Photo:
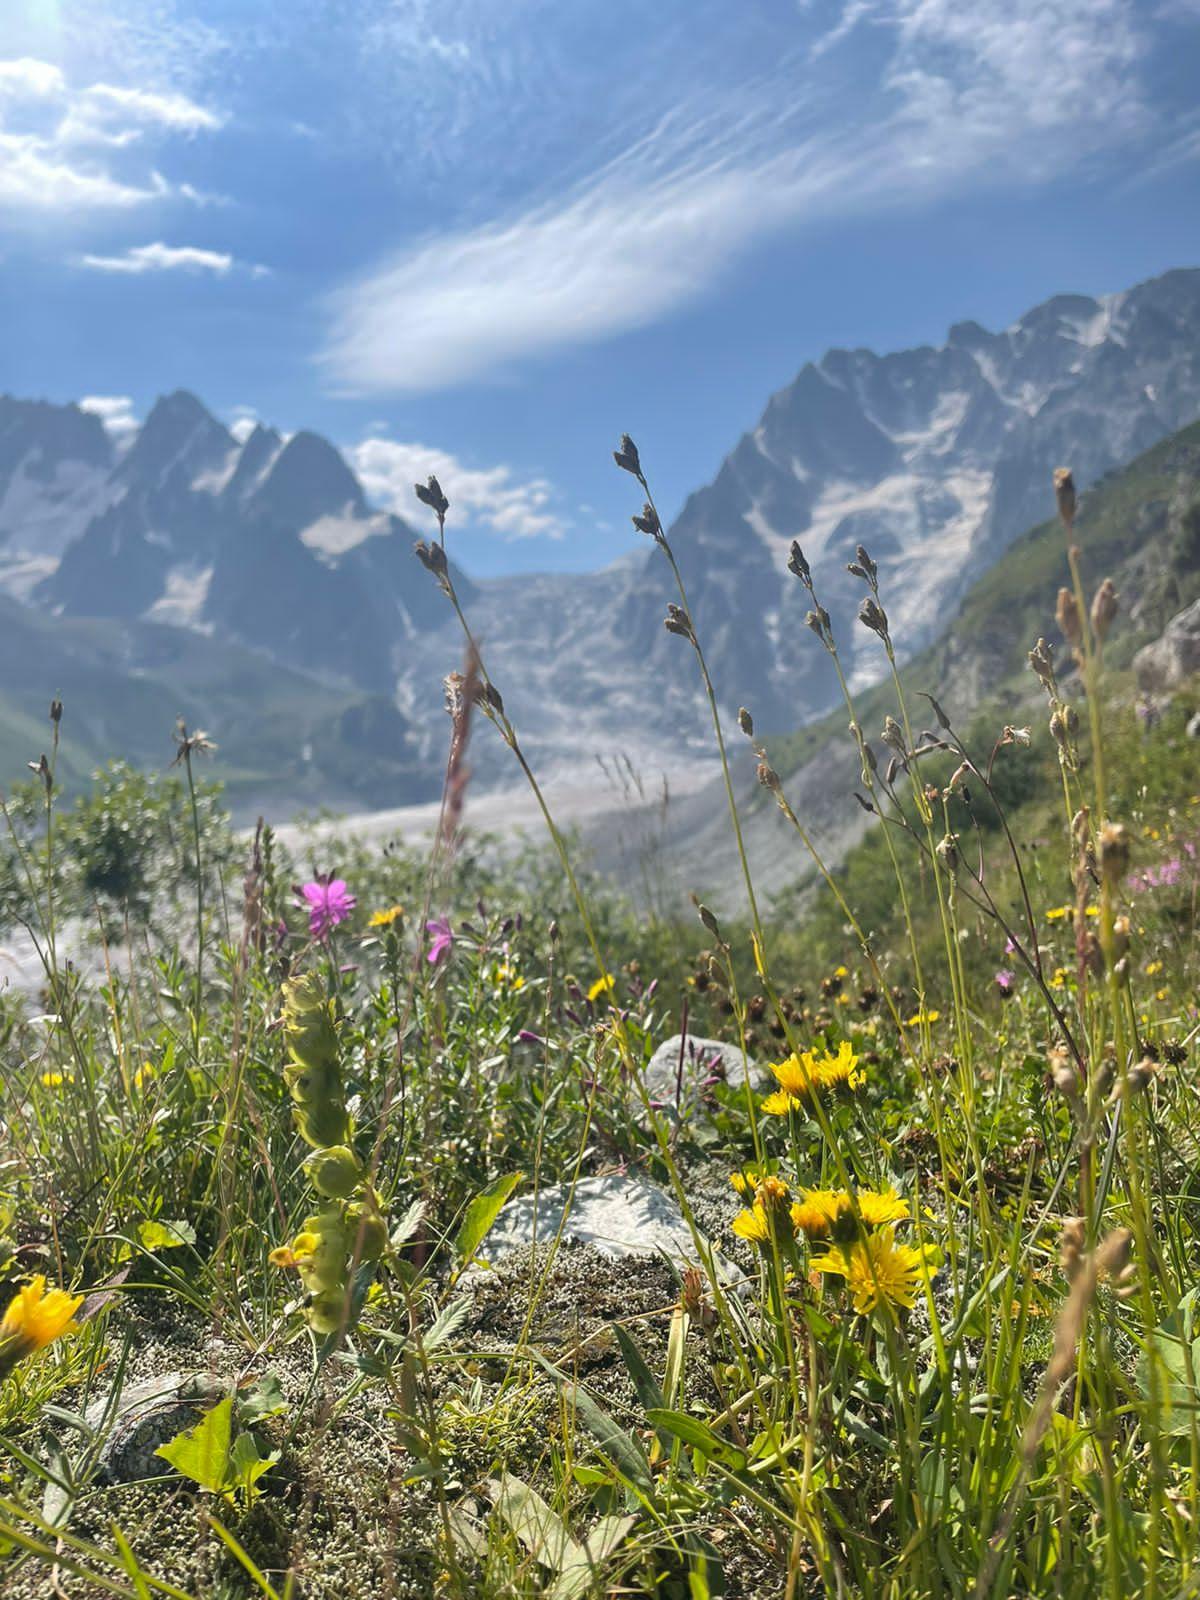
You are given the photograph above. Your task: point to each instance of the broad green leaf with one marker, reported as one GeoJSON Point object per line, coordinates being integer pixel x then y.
{"type": "Point", "coordinates": [699, 1436]}
{"type": "Point", "coordinates": [481, 1215]}
{"type": "Point", "coordinates": [620, 1447]}
{"type": "Point", "coordinates": [265, 1399]}
{"type": "Point", "coordinates": [165, 1235]}
{"type": "Point", "coordinates": [579, 1570]}
{"type": "Point", "coordinates": [247, 1465]}
{"type": "Point", "coordinates": [202, 1453]}
{"type": "Point", "coordinates": [541, 1530]}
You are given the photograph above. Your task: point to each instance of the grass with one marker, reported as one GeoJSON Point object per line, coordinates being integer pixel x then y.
{"type": "Point", "coordinates": [270, 1144]}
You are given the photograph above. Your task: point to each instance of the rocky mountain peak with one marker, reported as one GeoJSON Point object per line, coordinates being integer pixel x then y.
{"type": "Point", "coordinates": [309, 480]}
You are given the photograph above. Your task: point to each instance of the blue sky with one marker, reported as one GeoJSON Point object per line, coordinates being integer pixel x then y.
{"type": "Point", "coordinates": [485, 236]}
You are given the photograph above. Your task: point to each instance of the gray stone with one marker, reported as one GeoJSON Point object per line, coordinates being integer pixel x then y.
{"type": "Point", "coordinates": [621, 1215]}
{"type": "Point", "coordinates": [149, 1414]}
{"type": "Point", "coordinates": [1193, 727]}
{"type": "Point", "coordinates": [684, 1069]}
{"type": "Point", "coordinates": [1170, 661]}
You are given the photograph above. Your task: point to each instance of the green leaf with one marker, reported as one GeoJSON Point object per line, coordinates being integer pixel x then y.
{"type": "Point", "coordinates": [202, 1453]}
{"type": "Point", "coordinates": [620, 1447]}
{"type": "Point", "coordinates": [265, 1399]}
{"type": "Point", "coordinates": [247, 1464]}
{"type": "Point", "coordinates": [699, 1436]}
{"type": "Point", "coordinates": [540, 1529]}
{"type": "Point", "coordinates": [165, 1235]}
{"type": "Point", "coordinates": [481, 1215]}
{"type": "Point", "coordinates": [447, 1323]}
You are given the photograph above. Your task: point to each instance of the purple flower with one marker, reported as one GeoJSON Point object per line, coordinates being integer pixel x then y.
{"type": "Point", "coordinates": [440, 939]}
{"type": "Point", "coordinates": [1009, 947]}
{"type": "Point", "coordinates": [329, 902]}
{"type": "Point", "coordinates": [1004, 981]}
{"type": "Point", "coordinates": [527, 1036]}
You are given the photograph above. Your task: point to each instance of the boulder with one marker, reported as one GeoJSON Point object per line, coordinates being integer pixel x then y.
{"type": "Point", "coordinates": [684, 1069]}
{"type": "Point", "coordinates": [1169, 662]}
{"type": "Point", "coordinates": [620, 1215]}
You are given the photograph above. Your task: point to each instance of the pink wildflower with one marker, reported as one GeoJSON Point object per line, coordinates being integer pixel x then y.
{"type": "Point", "coordinates": [329, 902]}
{"type": "Point", "coordinates": [440, 939]}
{"type": "Point", "coordinates": [1005, 981]}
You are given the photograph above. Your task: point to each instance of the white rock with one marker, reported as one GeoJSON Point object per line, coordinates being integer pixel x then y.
{"type": "Point", "coordinates": [680, 1068]}
{"type": "Point", "coordinates": [620, 1216]}
{"type": "Point", "coordinates": [1173, 659]}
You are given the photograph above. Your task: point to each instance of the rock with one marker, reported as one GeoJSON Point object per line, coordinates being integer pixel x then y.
{"type": "Point", "coordinates": [682, 1070]}
{"type": "Point", "coordinates": [149, 1414]}
{"type": "Point", "coordinates": [621, 1216]}
{"type": "Point", "coordinates": [1193, 727]}
{"type": "Point", "coordinates": [1173, 659]}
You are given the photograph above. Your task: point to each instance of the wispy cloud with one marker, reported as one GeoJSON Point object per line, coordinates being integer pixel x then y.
{"type": "Point", "coordinates": [59, 143]}
{"type": "Point", "coordinates": [115, 412]}
{"type": "Point", "coordinates": [949, 94]}
{"type": "Point", "coordinates": [490, 497]}
{"type": "Point", "coordinates": [159, 257]}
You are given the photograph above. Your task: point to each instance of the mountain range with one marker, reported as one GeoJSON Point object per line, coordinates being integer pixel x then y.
{"type": "Point", "coordinates": [184, 561]}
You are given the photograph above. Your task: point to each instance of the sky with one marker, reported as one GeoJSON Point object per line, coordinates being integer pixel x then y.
{"type": "Point", "coordinates": [484, 237]}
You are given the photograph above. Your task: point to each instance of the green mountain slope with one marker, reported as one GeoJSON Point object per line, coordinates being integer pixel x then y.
{"type": "Point", "coordinates": [280, 733]}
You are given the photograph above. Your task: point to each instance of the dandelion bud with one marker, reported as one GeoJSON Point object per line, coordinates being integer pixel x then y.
{"type": "Point", "coordinates": [333, 1172]}
{"type": "Point", "coordinates": [1064, 494]}
{"type": "Point", "coordinates": [872, 615]}
{"type": "Point", "coordinates": [627, 457]}
{"type": "Point", "coordinates": [745, 722]}
{"type": "Point", "coordinates": [648, 522]}
{"type": "Point", "coordinates": [774, 1197]}
{"type": "Point", "coordinates": [1141, 1076]}
{"type": "Point", "coordinates": [798, 565]}
{"type": "Point", "coordinates": [1114, 852]}
{"type": "Point", "coordinates": [947, 851]}
{"type": "Point", "coordinates": [1071, 1254]}
{"type": "Point", "coordinates": [893, 735]}
{"type": "Point", "coordinates": [1104, 609]}
{"type": "Point", "coordinates": [1063, 1074]}
{"type": "Point", "coordinates": [1066, 614]}
{"type": "Point", "coordinates": [430, 494]}
{"type": "Point", "coordinates": [1041, 660]}
{"type": "Point", "coordinates": [818, 621]}
{"type": "Point", "coordinates": [678, 621]}
{"type": "Point", "coordinates": [694, 1301]}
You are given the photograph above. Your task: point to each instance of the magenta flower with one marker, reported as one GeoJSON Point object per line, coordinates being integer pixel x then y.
{"type": "Point", "coordinates": [329, 902]}
{"type": "Point", "coordinates": [440, 939]}
{"type": "Point", "coordinates": [1005, 981]}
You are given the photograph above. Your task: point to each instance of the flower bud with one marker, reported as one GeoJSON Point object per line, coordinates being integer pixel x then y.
{"type": "Point", "coordinates": [1104, 609]}
{"type": "Point", "coordinates": [1066, 614]}
{"type": "Point", "coordinates": [333, 1172]}
{"type": "Point", "coordinates": [1064, 494]}
{"type": "Point", "coordinates": [1114, 852]}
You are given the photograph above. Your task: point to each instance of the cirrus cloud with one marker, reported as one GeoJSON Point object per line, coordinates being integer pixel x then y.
{"type": "Point", "coordinates": [159, 257]}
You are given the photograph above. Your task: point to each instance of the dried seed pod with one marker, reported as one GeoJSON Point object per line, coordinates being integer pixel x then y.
{"type": "Point", "coordinates": [627, 457]}
{"type": "Point", "coordinates": [1066, 614]}
{"type": "Point", "coordinates": [870, 570]}
{"type": "Point", "coordinates": [648, 522]}
{"type": "Point", "coordinates": [1064, 495]}
{"type": "Point", "coordinates": [678, 621]}
{"type": "Point", "coordinates": [872, 615]}
{"type": "Point", "coordinates": [947, 851]}
{"type": "Point", "coordinates": [1114, 852]}
{"type": "Point", "coordinates": [798, 565]}
{"type": "Point", "coordinates": [1041, 659]}
{"type": "Point", "coordinates": [430, 494]}
{"type": "Point", "coordinates": [745, 722]}
{"type": "Point", "coordinates": [893, 735]}
{"type": "Point", "coordinates": [1104, 609]}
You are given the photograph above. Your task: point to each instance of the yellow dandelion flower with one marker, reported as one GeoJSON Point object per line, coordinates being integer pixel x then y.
{"type": "Point", "coordinates": [823, 1212]}
{"type": "Point", "coordinates": [602, 986]}
{"type": "Point", "coordinates": [1091, 911]}
{"type": "Point", "coordinates": [769, 1218]}
{"type": "Point", "coordinates": [920, 1018]}
{"type": "Point", "coordinates": [55, 1080]}
{"type": "Point", "coordinates": [745, 1182]}
{"type": "Point", "coordinates": [35, 1318]}
{"type": "Point", "coordinates": [143, 1075]}
{"type": "Point", "coordinates": [1161, 994]}
{"type": "Point", "coordinates": [877, 1270]}
{"type": "Point", "coordinates": [1058, 979]}
{"type": "Point", "coordinates": [385, 918]}
{"type": "Point", "coordinates": [800, 1076]}
{"type": "Point", "coordinates": [752, 1225]}
{"type": "Point", "coordinates": [1058, 913]}
{"type": "Point", "coordinates": [841, 972]}
{"type": "Point", "coordinates": [1152, 968]}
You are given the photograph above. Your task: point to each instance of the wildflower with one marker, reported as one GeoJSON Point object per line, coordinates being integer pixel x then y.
{"type": "Point", "coordinates": [1004, 982]}
{"type": "Point", "coordinates": [745, 1182]}
{"type": "Point", "coordinates": [385, 919]}
{"type": "Point", "coordinates": [33, 1320]}
{"type": "Point", "coordinates": [506, 976]}
{"type": "Point", "coordinates": [877, 1270]}
{"type": "Point", "coordinates": [329, 903]}
{"type": "Point", "coordinates": [1058, 979]}
{"type": "Point", "coordinates": [823, 1213]}
{"type": "Point", "coordinates": [55, 1080]}
{"type": "Point", "coordinates": [1152, 968]}
{"type": "Point", "coordinates": [801, 1076]}
{"type": "Point", "coordinates": [1058, 913]}
{"type": "Point", "coordinates": [602, 986]}
{"type": "Point", "coordinates": [440, 939]}
{"type": "Point", "coordinates": [920, 1018]}
{"type": "Point", "coordinates": [769, 1219]}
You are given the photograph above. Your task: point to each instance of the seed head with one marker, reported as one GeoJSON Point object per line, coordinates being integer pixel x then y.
{"type": "Point", "coordinates": [947, 851]}
{"type": "Point", "coordinates": [648, 522]}
{"type": "Point", "coordinates": [1114, 852]}
{"type": "Point", "coordinates": [1041, 659]}
{"type": "Point", "coordinates": [678, 621]}
{"type": "Point", "coordinates": [1064, 494]}
{"type": "Point", "coordinates": [627, 457]}
{"type": "Point", "coordinates": [430, 494]}
{"type": "Point", "coordinates": [1104, 609]}
{"type": "Point", "coordinates": [893, 736]}
{"type": "Point", "coordinates": [745, 722]}
{"type": "Point", "coordinates": [1066, 614]}
{"type": "Point", "coordinates": [872, 615]}
{"type": "Point", "coordinates": [798, 565]}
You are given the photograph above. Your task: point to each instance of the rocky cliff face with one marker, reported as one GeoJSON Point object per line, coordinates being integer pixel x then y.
{"type": "Point", "coordinates": [935, 459]}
